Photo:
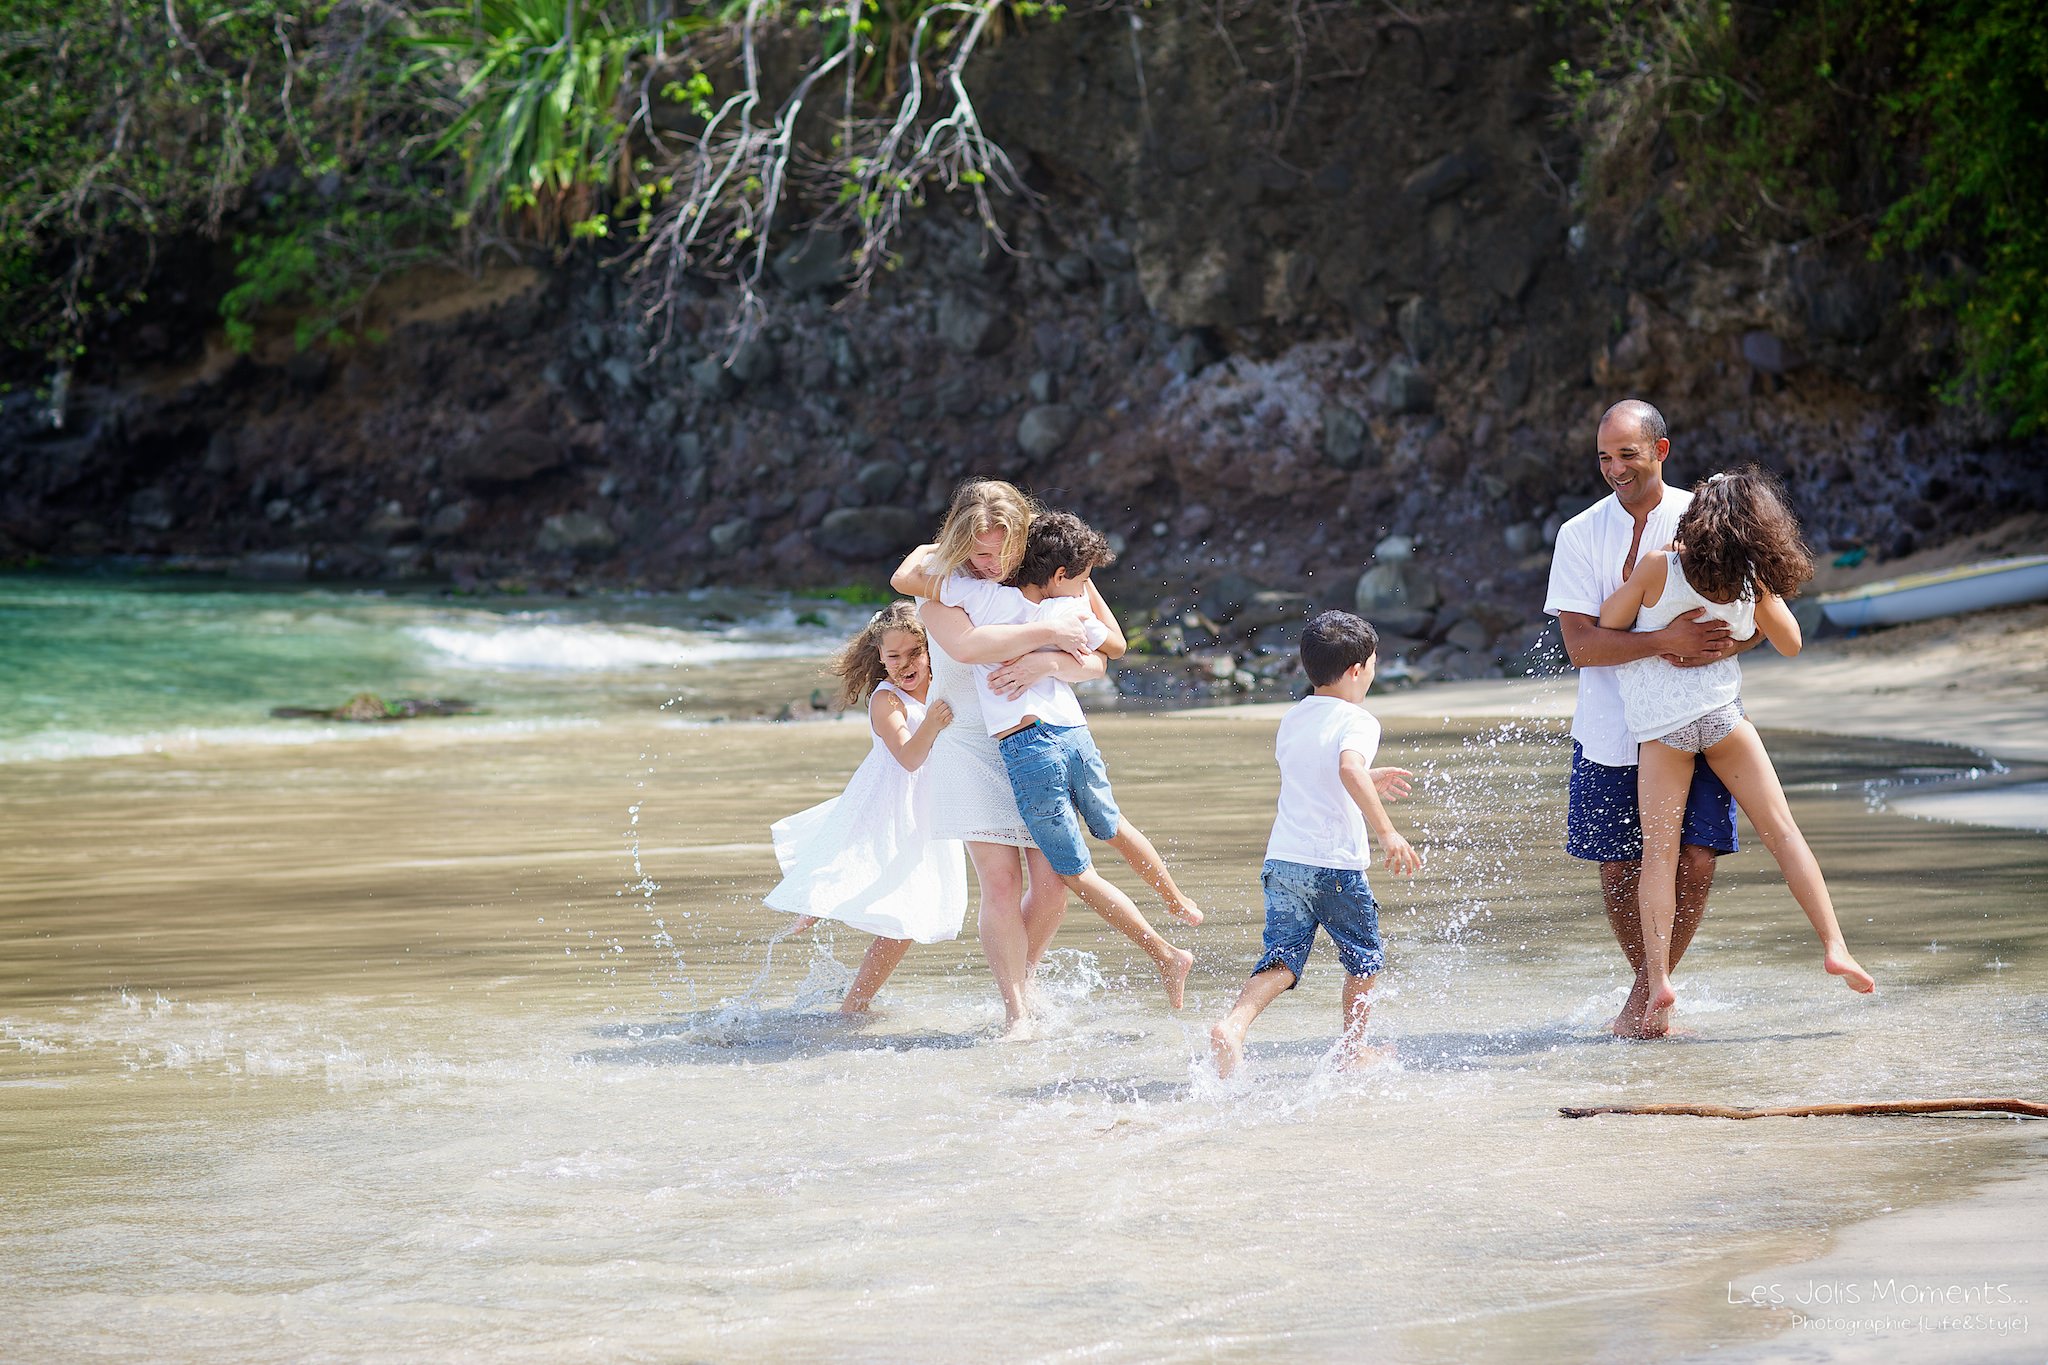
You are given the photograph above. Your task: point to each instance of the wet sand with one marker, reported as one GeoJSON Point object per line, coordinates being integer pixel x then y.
{"type": "Point", "coordinates": [392, 1049]}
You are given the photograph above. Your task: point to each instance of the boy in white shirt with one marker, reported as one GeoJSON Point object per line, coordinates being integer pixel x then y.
{"type": "Point", "coordinates": [1055, 770]}
{"type": "Point", "coordinates": [1317, 856]}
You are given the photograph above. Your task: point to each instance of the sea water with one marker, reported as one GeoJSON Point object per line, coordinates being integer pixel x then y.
{"type": "Point", "coordinates": [479, 1045]}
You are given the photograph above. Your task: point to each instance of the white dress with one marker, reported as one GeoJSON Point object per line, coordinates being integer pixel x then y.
{"type": "Point", "coordinates": [1658, 697]}
{"type": "Point", "coordinates": [970, 788]}
{"type": "Point", "coordinates": [868, 859]}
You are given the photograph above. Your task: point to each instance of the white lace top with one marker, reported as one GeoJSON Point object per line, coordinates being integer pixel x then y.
{"type": "Point", "coordinates": [1658, 697]}
{"type": "Point", "coordinates": [970, 790]}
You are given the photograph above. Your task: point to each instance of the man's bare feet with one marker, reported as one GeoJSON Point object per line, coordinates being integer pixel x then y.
{"type": "Point", "coordinates": [1183, 909]}
{"type": "Point", "coordinates": [1839, 963]}
{"type": "Point", "coordinates": [1359, 1056]}
{"type": "Point", "coordinates": [1173, 973]}
{"type": "Point", "coordinates": [1226, 1045]}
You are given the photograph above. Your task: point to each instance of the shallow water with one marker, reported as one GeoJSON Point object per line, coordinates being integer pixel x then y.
{"type": "Point", "coordinates": [389, 1051]}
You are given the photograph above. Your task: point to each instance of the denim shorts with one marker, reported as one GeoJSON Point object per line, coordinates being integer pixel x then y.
{"type": "Point", "coordinates": [1604, 824]}
{"type": "Point", "coordinates": [1057, 776]}
{"type": "Point", "coordinates": [1300, 897]}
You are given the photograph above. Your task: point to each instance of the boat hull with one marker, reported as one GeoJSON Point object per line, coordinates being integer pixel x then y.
{"type": "Point", "coordinates": [1923, 597]}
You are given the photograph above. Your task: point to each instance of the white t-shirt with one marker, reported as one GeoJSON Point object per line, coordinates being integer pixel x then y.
{"type": "Point", "coordinates": [1585, 569]}
{"type": "Point", "coordinates": [1318, 823]}
{"type": "Point", "coordinates": [993, 604]}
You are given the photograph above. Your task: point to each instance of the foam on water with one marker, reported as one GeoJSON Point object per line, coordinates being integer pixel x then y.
{"type": "Point", "coordinates": [600, 649]}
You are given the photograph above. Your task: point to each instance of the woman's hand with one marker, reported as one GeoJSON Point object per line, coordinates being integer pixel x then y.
{"type": "Point", "coordinates": [1013, 679]}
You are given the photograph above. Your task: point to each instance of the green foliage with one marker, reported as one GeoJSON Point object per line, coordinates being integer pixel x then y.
{"type": "Point", "coordinates": [1791, 120]}
{"type": "Point", "coordinates": [540, 123]}
{"type": "Point", "coordinates": [1975, 106]}
{"type": "Point", "coordinates": [853, 594]}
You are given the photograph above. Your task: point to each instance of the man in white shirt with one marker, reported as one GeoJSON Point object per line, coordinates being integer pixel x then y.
{"type": "Point", "coordinates": [1596, 551]}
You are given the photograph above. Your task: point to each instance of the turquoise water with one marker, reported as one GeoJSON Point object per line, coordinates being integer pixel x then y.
{"type": "Point", "coordinates": [103, 666]}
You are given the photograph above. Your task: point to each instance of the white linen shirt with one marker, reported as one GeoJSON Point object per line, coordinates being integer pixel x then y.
{"type": "Point", "coordinates": [993, 604]}
{"type": "Point", "coordinates": [1585, 569]}
{"type": "Point", "coordinates": [1318, 824]}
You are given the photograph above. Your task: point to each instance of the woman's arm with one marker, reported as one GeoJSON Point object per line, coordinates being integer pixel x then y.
{"type": "Point", "coordinates": [1776, 623]}
{"type": "Point", "coordinates": [910, 577]}
{"type": "Point", "coordinates": [972, 644]}
{"type": "Point", "coordinates": [1114, 645]}
{"type": "Point", "coordinates": [1020, 675]}
{"type": "Point", "coordinates": [891, 720]}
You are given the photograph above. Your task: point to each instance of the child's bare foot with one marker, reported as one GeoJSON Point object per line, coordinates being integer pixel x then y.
{"type": "Point", "coordinates": [1173, 973]}
{"type": "Point", "coordinates": [1226, 1045]}
{"type": "Point", "coordinates": [1839, 963]}
{"type": "Point", "coordinates": [1183, 909]}
{"type": "Point", "coordinates": [803, 922]}
{"type": "Point", "coordinates": [1359, 1056]}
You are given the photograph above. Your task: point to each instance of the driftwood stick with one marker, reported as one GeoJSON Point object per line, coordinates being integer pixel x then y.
{"type": "Point", "coordinates": [2029, 1108]}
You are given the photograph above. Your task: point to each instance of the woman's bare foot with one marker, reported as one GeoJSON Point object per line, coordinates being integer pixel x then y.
{"type": "Point", "coordinates": [1183, 909]}
{"type": "Point", "coordinates": [1359, 1056]}
{"type": "Point", "coordinates": [1839, 963]}
{"type": "Point", "coordinates": [1173, 973]}
{"type": "Point", "coordinates": [1226, 1046]}
{"type": "Point", "coordinates": [1662, 997]}
{"type": "Point", "coordinates": [1021, 1029]}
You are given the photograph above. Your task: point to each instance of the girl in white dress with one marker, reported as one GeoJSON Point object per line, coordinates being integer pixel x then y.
{"type": "Point", "coordinates": [868, 858]}
{"type": "Point", "coordinates": [1737, 554]}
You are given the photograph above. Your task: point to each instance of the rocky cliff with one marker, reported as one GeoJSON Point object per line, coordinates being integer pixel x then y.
{"type": "Point", "coordinates": [1288, 287]}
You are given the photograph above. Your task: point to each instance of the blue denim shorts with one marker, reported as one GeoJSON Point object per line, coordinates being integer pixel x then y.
{"type": "Point", "coordinates": [1300, 897]}
{"type": "Point", "coordinates": [1057, 776]}
{"type": "Point", "coordinates": [1604, 824]}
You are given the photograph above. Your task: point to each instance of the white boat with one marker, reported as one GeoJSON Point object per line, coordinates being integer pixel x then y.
{"type": "Point", "coordinates": [1942, 592]}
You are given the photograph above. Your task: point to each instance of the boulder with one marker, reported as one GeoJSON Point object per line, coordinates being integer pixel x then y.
{"type": "Point", "coordinates": [867, 533]}
{"type": "Point", "coordinates": [713, 379]}
{"type": "Point", "coordinates": [1045, 428]}
{"type": "Point", "coordinates": [505, 457]}
{"type": "Point", "coordinates": [151, 510]}
{"type": "Point", "coordinates": [582, 534]}
{"type": "Point", "coordinates": [1399, 597]}
{"type": "Point", "coordinates": [756, 362]}
{"type": "Point", "coordinates": [1269, 609]}
{"type": "Point", "coordinates": [1226, 597]}
{"type": "Point", "coordinates": [972, 329]}
{"type": "Point", "coordinates": [814, 261]}
{"type": "Point", "coordinates": [880, 479]}
{"type": "Point", "coordinates": [1346, 438]}
{"type": "Point", "coordinates": [1402, 389]}
{"type": "Point", "coordinates": [730, 537]}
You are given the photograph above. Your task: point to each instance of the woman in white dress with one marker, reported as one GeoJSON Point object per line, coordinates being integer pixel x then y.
{"type": "Point", "coordinates": [1023, 900]}
{"type": "Point", "coordinates": [868, 858]}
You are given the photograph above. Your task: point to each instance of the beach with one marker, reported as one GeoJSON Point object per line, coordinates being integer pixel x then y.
{"type": "Point", "coordinates": [471, 1037]}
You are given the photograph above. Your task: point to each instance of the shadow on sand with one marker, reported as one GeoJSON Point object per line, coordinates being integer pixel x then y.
{"type": "Point", "coordinates": [723, 1037]}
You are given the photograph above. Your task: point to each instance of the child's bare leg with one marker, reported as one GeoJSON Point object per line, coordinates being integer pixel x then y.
{"type": "Point", "coordinates": [1663, 777]}
{"type": "Point", "coordinates": [1137, 850]}
{"type": "Point", "coordinates": [1116, 908]}
{"type": "Point", "coordinates": [1226, 1039]}
{"type": "Point", "coordinates": [1004, 941]}
{"type": "Point", "coordinates": [1045, 906]}
{"type": "Point", "coordinates": [876, 964]}
{"type": "Point", "coordinates": [1357, 1010]}
{"type": "Point", "coordinates": [1741, 762]}
{"type": "Point", "coordinates": [803, 922]}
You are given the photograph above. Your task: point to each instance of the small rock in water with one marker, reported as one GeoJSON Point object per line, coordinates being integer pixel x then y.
{"type": "Point", "coordinates": [369, 707]}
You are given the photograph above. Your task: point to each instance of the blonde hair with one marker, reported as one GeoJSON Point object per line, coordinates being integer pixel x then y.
{"type": "Point", "coordinates": [858, 664]}
{"type": "Point", "coordinates": [980, 506]}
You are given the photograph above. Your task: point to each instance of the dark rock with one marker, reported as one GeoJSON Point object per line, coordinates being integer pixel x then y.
{"type": "Point", "coordinates": [1270, 607]}
{"type": "Point", "coordinates": [1768, 353]}
{"type": "Point", "coordinates": [756, 362]}
{"type": "Point", "coordinates": [506, 457]}
{"type": "Point", "coordinates": [1442, 177]}
{"type": "Point", "coordinates": [1281, 637]}
{"type": "Point", "coordinates": [1194, 352]}
{"type": "Point", "coordinates": [582, 534]}
{"type": "Point", "coordinates": [447, 520]}
{"type": "Point", "coordinates": [274, 566]}
{"type": "Point", "coordinates": [1044, 386]}
{"type": "Point", "coordinates": [1346, 438]}
{"type": "Point", "coordinates": [812, 507]}
{"type": "Point", "coordinates": [1422, 328]}
{"type": "Point", "coordinates": [880, 479]}
{"type": "Point", "coordinates": [972, 329]}
{"type": "Point", "coordinates": [151, 510]}
{"type": "Point", "coordinates": [1074, 268]}
{"type": "Point", "coordinates": [868, 533]}
{"type": "Point", "coordinates": [1400, 597]}
{"type": "Point", "coordinates": [713, 379]}
{"type": "Point", "coordinates": [1222, 600]}
{"type": "Point", "coordinates": [729, 537]}
{"type": "Point", "coordinates": [619, 371]}
{"type": "Point", "coordinates": [1045, 428]}
{"type": "Point", "coordinates": [1402, 389]}
{"type": "Point", "coordinates": [1194, 521]}
{"type": "Point", "coordinates": [307, 371]}
{"type": "Point", "coordinates": [815, 261]}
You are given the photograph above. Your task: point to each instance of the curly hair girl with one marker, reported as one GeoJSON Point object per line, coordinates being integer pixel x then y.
{"type": "Point", "coordinates": [1739, 538]}
{"type": "Point", "coordinates": [858, 664]}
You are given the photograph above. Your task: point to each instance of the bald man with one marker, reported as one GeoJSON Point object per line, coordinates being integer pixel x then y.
{"type": "Point", "coordinates": [1595, 551]}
